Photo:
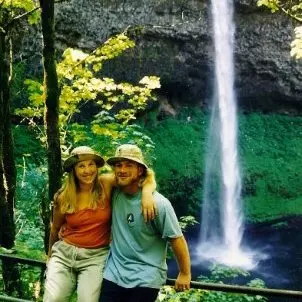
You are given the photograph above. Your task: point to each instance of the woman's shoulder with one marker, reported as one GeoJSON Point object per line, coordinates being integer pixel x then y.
{"type": "Point", "coordinates": [107, 179]}
{"type": "Point", "coordinates": [58, 197]}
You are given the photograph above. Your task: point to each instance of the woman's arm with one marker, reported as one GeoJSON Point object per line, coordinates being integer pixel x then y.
{"type": "Point", "coordinates": [149, 208]}
{"type": "Point", "coordinates": [57, 221]}
{"type": "Point", "coordinates": [108, 182]}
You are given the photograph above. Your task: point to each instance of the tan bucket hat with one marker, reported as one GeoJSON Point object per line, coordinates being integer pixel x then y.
{"type": "Point", "coordinates": [128, 151]}
{"type": "Point", "coordinates": [82, 153]}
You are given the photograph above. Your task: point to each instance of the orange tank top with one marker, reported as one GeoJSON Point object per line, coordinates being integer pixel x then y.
{"type": "Point", "coordinates": [88, 228]}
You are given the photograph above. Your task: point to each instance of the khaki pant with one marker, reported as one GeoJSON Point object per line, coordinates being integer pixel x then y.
{"type": "Point", "coordinates": [71, 267]}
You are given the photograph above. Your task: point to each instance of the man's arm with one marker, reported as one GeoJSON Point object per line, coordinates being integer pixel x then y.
{"type": "Point", "coordinates": [181, 252]}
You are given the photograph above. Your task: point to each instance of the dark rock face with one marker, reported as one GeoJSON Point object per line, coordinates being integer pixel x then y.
{"type": "Point", "coordinates": [174, 41]}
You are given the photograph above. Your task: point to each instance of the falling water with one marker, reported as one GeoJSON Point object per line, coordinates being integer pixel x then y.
{"type": "Point", "coordinates": [222, 221]}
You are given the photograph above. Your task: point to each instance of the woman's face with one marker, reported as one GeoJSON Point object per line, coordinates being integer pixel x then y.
{"type": "Point", "coordinates": [86, 171]}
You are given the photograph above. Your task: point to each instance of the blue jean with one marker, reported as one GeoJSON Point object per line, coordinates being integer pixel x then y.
{"type": "Point", "coordinates": [111, 292]}
{"type": "Point", "coordinates": [71, 268]}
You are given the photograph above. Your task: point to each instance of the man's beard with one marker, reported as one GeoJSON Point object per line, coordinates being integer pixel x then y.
{"type": "Point", "coordinates": [124, 182]}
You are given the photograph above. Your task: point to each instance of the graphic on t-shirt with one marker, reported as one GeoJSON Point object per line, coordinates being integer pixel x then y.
{"type": "Point", "coordinates": [130, 218]}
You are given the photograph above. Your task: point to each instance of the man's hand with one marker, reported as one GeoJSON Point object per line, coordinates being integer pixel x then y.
{"type": "Point", "coordinates": [181, 252]}
{"type": "Point", "coordinates": [182, 282]}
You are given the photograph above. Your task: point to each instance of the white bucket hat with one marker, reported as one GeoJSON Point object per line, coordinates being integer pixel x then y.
{"type": "Point", "coordinates": [130, 152]}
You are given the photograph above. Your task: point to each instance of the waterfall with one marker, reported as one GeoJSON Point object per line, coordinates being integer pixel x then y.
{"type": "Point", "coordinates": [222, 219]}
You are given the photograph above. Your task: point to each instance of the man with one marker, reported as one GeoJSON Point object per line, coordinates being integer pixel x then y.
{"type": "Point", "coordinates": [136, 266]}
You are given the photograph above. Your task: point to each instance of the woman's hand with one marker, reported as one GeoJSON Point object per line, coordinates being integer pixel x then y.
{"type": "Point", "coordinates": [149, 208]}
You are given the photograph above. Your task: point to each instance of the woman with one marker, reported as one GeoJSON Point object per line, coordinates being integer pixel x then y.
{"type": "Point", "coordinates": [80, 230]}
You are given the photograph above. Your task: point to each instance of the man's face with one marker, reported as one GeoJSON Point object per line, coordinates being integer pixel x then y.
{"type": "Point", "coordinates": [127, 173]}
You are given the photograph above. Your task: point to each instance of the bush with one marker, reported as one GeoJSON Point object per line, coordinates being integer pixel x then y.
{"type": "Point", "coordinates": [219, 273]}
{"type": "Point", "coordinates": [31, 190]}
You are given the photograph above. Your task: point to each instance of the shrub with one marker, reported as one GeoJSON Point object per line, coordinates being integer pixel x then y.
{"type": "Point", "coordinates": [219, 273]}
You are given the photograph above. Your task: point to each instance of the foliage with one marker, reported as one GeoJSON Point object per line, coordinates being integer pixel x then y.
{"type": "Point", "coordinates": [104, 134]}
{"type": "Point", "coordinates": [28, 149]}
{"type": "Point", "coordinates": [219, 273]}
{"type": "Point", "coordinates": [179, 163]}
{"type": "Point", "coordinates": [187, 221]}
{"type": "Point", "coordinates": [81, 84]}
{"type": "Point", "coordinates": [18, 89]}
{"type": "Point", "coordinates": [29, 282]}
{"type": "Point", "coordinates": [293, 9]}
{"type": "Point", "coordinates": [17, 7]}
{"type": "Point", "coordinates": [31, 190]}
{"type": "Point", "coordinates": [270, 147]}
{"type": "Point", "coordinates": [271, 4]}
{"type": "Point", "coordinates": [27, 5]}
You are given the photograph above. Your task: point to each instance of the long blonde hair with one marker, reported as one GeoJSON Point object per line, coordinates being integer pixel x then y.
{"type": "Point", "coordinates": [68, 197]}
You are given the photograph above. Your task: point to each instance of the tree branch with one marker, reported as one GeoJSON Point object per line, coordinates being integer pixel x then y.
{"type": "Point", "coordinates": [11, 23]}
{"type": "Point", "coordinates": [28, 13]}
{"type": "Point", "coordinates": [96, 49]}
{"type": "Point", "coordinates": [291, 15]}
{"type": "Point", "coordinates": [288, 12]}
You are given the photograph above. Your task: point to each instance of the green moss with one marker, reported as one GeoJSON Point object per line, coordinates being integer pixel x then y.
{"type": "Point", "coordinates": [270, 159]}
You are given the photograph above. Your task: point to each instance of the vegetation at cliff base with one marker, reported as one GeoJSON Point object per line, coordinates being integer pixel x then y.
{"type": "Point", "coordinates": [270, 156]}
{"type": "Point", "coordinates": [218, 274]}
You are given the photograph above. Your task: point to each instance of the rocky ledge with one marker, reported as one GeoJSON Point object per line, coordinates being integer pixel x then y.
{"type": "Point", "coordinates": [174, 41]}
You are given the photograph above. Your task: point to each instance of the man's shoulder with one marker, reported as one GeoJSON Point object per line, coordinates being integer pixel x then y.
{"type": "Point", "coordinates": [159, 196]}
{"type": "Point", "coordinates": [161, 199]}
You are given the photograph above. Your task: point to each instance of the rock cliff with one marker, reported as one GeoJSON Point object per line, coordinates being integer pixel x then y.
{"type": "Point", "coordinates": [174, 41]}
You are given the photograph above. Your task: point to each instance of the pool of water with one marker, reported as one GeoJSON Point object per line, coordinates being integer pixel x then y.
{"type": "Point", "coordinates": [280, 241]}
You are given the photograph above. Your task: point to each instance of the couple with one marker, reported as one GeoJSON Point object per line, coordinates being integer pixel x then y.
{"type": "Point", "coordinates": [93, 211]}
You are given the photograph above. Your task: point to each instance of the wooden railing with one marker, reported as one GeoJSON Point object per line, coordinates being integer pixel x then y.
{"type": "Point", "coordinates": [265, 292]}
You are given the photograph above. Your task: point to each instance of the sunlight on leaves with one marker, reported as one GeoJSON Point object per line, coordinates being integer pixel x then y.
{"type": "Point", "coordinates": [17, 8]}
{"type": "Point", "coordinates": [80, 84]}
{"type": "Point", "coordinates": [296, 45]}
{"type": "Point", "coordinates": [271, 4]}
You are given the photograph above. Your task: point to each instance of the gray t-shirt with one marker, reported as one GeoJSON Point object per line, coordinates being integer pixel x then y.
{"type": "Point", "coordinates": [138, 249]}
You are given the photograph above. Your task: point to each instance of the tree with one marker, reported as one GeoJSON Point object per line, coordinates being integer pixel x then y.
{"type": "Point", "coordinates": [10, 13]}
{"type": "Point", "coordinates": [7, 229]}
{"type": "Point", "coordinates": [51, 108]}
{"type": "Point", "coordinates": [293, 9]}
{"type": "Point", "coordinates": [81, 82]}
